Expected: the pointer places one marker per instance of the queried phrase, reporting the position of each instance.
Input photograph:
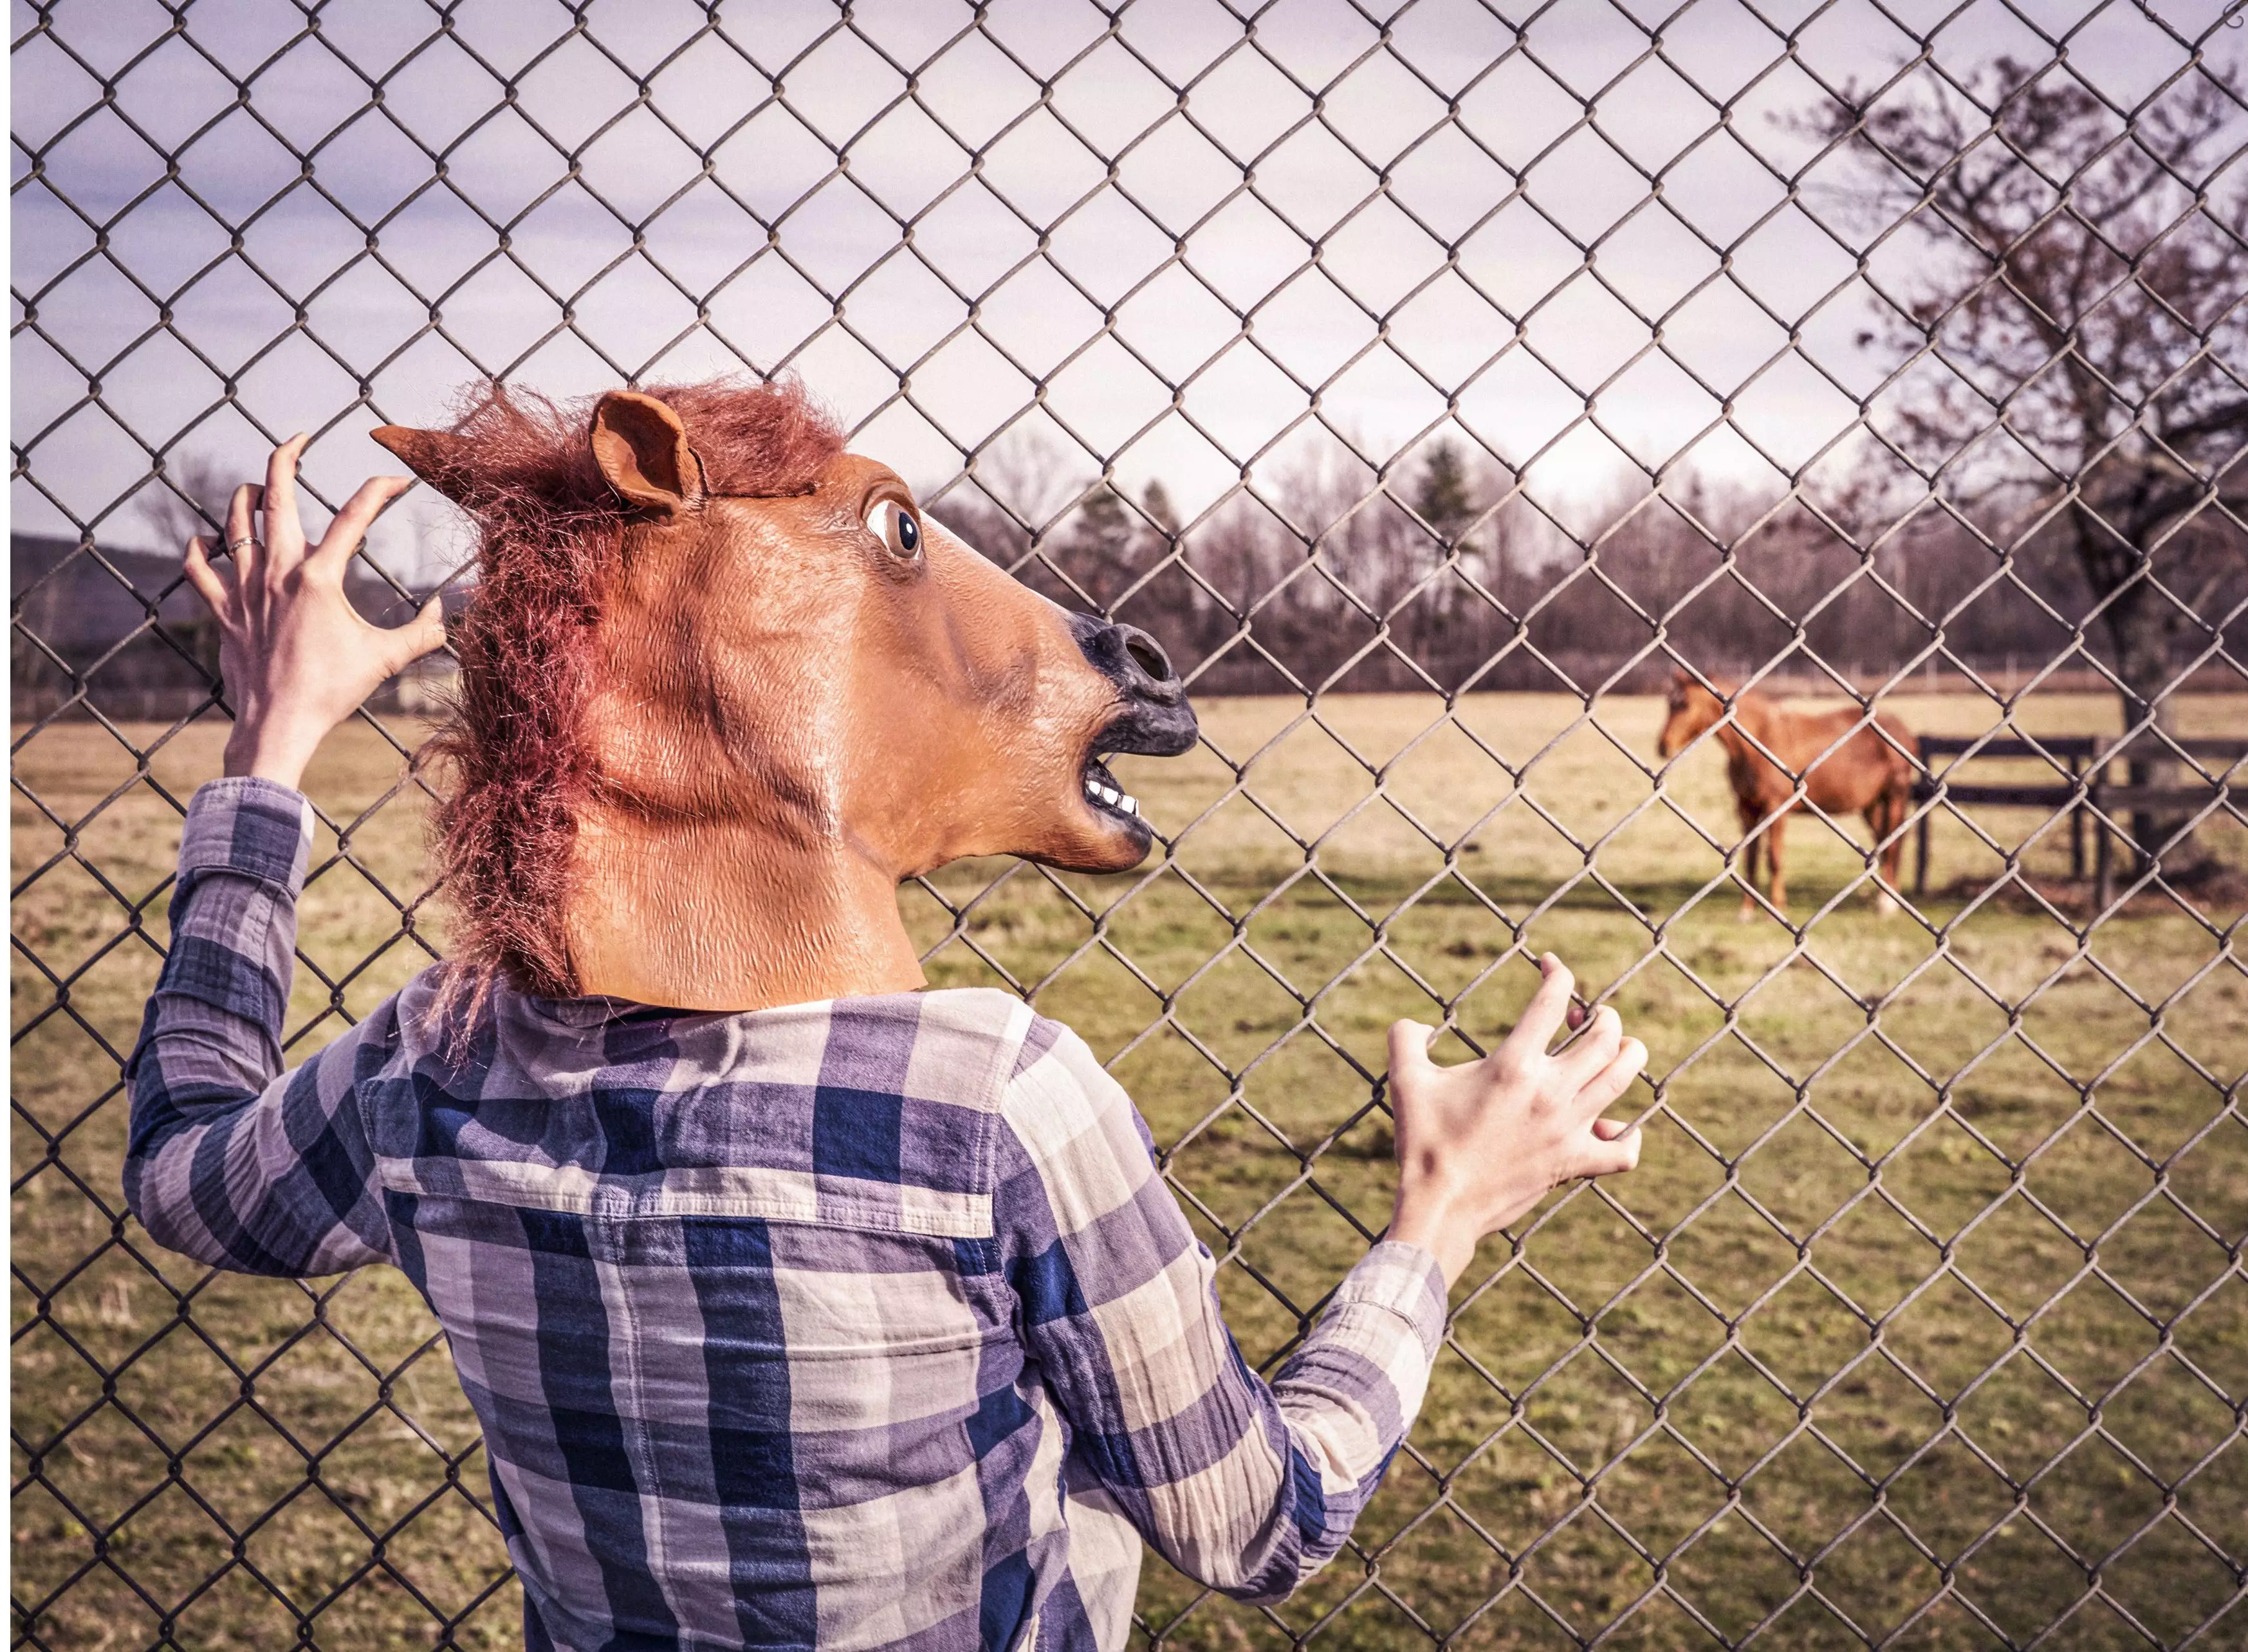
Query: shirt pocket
(816, 1329)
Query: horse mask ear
(643, 449)
(434, 455)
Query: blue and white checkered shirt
(859, 1324)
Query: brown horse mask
(795, 704)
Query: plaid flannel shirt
(859, 1324)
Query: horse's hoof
(1884, 903)
(1746, 914)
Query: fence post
(2076, 822)
(2104, 853)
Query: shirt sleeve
(230, 1161)
(1247, 1486)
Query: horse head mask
(724, 685)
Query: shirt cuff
(255, 828)
(1405, 1279)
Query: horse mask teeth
(1101, 788)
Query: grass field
(1892, 1333)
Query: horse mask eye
(896, 527)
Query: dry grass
(1781, 1340)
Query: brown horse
(1847, 764)
(724, 685)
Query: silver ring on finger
(237, 545)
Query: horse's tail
(1906, 766)
(1906, 763)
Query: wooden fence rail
(2087, 793)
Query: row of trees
(1446, 575)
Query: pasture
(1891, 1327)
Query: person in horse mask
(800, 1306)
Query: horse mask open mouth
(724, 686)
(1155, 719)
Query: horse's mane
(552, 533)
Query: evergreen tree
(1443, 497)
(1100, 557)
(1156, 501)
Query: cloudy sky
(935, 223)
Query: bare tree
(1028, 476)
(190, 498)
(2085, 320)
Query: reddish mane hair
(553, 533)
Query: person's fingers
(1612, 1156)
(241, 531)
(284, 535)
(1408, 1045)
(1548, 1007)
(205, 578)
(423, 633)
(1576, 1017)
(1604, 1086)
(1594, 1048)
(1609, 1129)
(353, 521)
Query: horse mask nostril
(1148, 656)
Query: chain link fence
(1434, 383)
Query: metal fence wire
(1498, 359)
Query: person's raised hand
(1479, 1145)
(296, 656)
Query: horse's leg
(1900, 815)
(1751, 844)
(1883, 816)
(1772, 859)
(1900, 811)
